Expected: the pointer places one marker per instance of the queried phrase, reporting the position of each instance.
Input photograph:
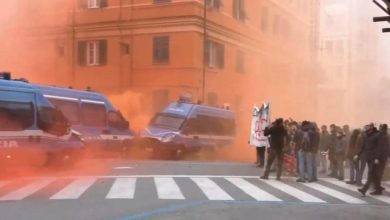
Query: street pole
(204, 51)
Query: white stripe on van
(93, 101)
(60, 97)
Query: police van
(184, 127)
(32, 130)
(102, 127)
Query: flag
(261, 118)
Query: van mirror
(116, 120)
(53, 121)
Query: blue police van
(32, 130)
(184, 127)
(102, 127)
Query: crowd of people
(330, 150)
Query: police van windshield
(16, 116)
(168, 121)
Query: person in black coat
(371, 150)
(277, 134)
(383, 151)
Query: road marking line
(122, 168)
(27, 190)
(75, 189)
(354, 188)
(334, 193)
(168, 189)
(299, 194)
(252, 190)
(211, 189)
(123, 188)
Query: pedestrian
(277, 134)
(314, 142)
(361, 157)
(383, 148)
(353, 148)
(305, 153)
(371, 150)
(340, 148)
(324, 148)
(331, 153)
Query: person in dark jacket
(340, 148)
(371, 150)
(383, 148)
(360, 157)
(277, 134)
(354, 147)
(304, 140)
(331, 153)
(315, 143)
(324, 148)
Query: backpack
(306, 141)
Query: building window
(239, 9)
(215, 55)
(240, 62)
(92, 53)
(212, 99)
(125, 48)
(216, 4)
(264, 19)
(161, 49)
(91, 4)
(161, 1)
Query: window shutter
(207, 53)
(221, 56)
(83, 4)
(103, 3)
(102, 52)
(82, 53)
(242, 10)
(217, 4)
(236, 8)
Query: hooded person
(277, 134)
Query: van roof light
(185, 98)
(5, 75)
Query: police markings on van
(9, 144)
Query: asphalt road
(130, 190)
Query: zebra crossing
(215, 188)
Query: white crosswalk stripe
(299, 194)
(75, 189)
(211, 189)
(167, 188)
(382, 198)
(27, 190)
(335, 194)
(123, 188)
(252, 190)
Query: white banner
(261, 118)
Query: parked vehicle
(100, 124)
(32, 131)
(184, 127)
